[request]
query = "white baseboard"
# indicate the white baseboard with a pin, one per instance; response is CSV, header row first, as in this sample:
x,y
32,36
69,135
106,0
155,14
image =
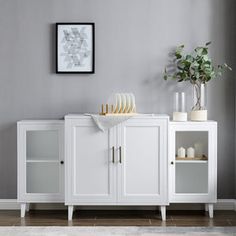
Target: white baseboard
x,y
225,204
222,204
9,204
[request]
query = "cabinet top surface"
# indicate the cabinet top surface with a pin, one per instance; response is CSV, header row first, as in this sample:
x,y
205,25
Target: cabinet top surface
x,y
193,122
75,116
41,121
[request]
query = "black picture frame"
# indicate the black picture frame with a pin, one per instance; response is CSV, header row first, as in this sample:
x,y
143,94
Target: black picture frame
x,y
75,67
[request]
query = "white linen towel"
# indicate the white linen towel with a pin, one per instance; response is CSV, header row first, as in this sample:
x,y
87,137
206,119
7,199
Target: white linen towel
x,y
106,122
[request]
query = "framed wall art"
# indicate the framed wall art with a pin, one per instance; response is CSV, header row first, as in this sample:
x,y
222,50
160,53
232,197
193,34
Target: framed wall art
x,y
75,48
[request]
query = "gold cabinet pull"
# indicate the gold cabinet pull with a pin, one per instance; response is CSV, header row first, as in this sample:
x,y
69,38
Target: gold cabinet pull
x,y
113,154
120,159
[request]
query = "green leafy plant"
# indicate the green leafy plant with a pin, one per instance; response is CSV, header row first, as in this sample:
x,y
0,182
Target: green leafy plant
x,y
196,67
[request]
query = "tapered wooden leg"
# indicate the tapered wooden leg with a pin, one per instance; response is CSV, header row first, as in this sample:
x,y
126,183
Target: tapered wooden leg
x,y
70,212
206,207
163,212
211,212
22,210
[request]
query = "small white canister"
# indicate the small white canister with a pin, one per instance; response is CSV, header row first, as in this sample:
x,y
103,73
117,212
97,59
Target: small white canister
x,y
190,152
181,152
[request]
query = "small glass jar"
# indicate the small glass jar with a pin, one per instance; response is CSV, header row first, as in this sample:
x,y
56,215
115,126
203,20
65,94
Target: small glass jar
x,y
179,113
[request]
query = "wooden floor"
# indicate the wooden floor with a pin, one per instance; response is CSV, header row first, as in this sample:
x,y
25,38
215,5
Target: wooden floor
x,y
117,218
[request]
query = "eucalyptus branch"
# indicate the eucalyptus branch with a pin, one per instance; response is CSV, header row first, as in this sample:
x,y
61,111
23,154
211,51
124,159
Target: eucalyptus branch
x,y
195,67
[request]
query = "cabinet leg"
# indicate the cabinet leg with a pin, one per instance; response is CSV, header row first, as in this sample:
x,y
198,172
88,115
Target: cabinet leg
x,y
206,207
22,210
163,212
210,208
70,212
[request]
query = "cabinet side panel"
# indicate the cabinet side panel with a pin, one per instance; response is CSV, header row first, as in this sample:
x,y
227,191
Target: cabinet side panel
x,y
21,162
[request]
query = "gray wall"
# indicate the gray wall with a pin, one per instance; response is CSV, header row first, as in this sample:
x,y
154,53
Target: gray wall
x,y
133,39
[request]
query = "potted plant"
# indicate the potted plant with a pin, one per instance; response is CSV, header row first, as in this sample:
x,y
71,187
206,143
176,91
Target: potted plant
x,y
198,69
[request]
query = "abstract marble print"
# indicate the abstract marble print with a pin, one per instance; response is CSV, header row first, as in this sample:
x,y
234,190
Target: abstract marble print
x,y
75,48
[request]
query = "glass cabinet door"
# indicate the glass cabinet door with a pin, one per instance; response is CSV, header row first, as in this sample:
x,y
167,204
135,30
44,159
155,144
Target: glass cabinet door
x,y
191,171
42,161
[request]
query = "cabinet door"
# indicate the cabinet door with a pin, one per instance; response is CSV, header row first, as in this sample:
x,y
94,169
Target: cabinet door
x,y
89,163
40,161
142,175
193,180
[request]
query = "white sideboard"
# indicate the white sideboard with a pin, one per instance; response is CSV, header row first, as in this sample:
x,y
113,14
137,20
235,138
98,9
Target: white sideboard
x,y
131,164
125,165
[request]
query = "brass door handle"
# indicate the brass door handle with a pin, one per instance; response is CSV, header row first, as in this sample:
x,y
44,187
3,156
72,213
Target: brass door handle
x,y
120,155
113,154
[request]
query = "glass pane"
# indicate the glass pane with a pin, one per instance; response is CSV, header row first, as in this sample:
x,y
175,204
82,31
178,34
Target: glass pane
x,y
42,145
196,139
42,178
191,174
191,177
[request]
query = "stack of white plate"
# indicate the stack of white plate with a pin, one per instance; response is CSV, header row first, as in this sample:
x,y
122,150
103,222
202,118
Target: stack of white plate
x,y
123,102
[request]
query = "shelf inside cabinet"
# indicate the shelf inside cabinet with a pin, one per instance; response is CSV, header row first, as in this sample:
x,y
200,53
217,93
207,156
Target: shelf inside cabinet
x,y
33,160
202,159
190,161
